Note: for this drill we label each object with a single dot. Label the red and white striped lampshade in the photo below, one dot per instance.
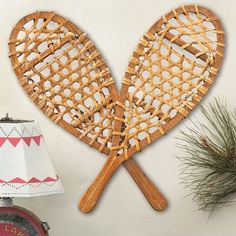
(25, 166)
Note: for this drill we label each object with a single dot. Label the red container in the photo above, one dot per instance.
(16, 221)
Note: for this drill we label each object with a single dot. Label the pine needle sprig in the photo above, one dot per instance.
(209, 156)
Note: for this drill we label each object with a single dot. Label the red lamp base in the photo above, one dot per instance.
(17, 221)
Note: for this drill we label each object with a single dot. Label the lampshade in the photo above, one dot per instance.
(25, 166)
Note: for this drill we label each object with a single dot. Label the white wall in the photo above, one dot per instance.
(115, 26)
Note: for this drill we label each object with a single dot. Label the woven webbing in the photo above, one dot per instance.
(65, 75)
(170, 70)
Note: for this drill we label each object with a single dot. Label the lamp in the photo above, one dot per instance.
(25, 171)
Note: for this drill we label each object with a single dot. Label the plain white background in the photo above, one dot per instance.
(115, 26)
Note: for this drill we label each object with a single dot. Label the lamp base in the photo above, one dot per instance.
(17, 221)
(6, 202)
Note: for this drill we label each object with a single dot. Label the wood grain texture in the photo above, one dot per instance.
(149, 189)
(185, 47)
(90, 198)
(60, 69)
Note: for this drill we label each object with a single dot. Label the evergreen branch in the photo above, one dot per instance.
(209, 160)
